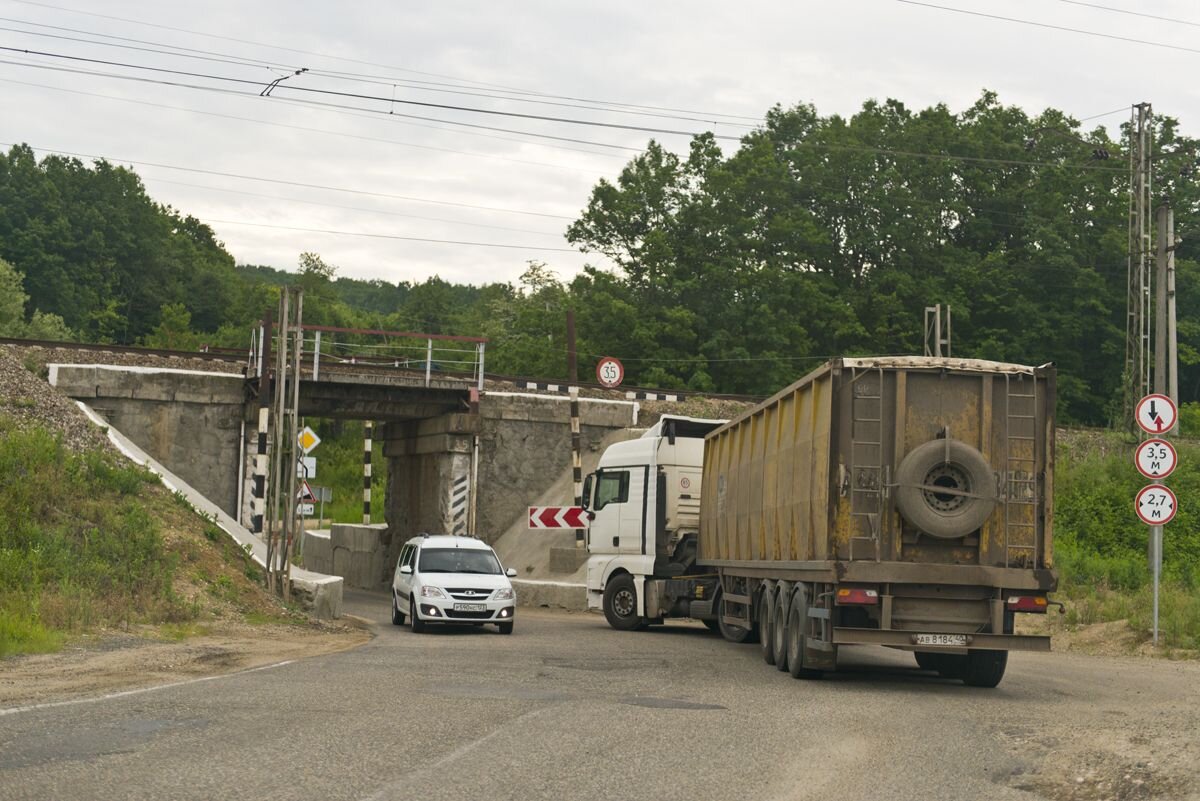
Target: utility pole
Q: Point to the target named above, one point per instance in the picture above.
(284, 452)
(1166, 357)
(572, 362)
(1137, 325)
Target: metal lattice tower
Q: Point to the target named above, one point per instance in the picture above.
(1140, 265)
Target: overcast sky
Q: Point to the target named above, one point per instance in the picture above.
(436, 180)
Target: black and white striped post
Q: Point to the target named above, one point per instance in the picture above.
(576, 458)
(258, 503)
(368, 430)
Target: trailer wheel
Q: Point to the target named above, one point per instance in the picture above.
(729, 631)
(984, 668)
(956, 466)
(764, 627)
(620, 603)
(797, 630)
(779, 631)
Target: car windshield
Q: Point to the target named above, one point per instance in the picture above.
(458, 560)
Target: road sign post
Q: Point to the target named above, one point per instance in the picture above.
(1156, 458)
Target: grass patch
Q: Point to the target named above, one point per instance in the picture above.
(182, 631)
(80, 548)
(1101, 547)
(22, 634)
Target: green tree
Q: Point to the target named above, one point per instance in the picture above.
(12, 301)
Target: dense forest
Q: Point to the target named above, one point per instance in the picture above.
(737, 269)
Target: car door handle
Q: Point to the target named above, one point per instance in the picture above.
(616, 542)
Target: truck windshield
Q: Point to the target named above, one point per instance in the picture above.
(458, 560)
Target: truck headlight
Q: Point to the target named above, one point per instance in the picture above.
(431, 592)
(503, 594)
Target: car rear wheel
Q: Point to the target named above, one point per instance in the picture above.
(397, 615)
(418, 625)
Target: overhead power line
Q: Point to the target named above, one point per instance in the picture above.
(159, 48)
(1131, 13)
(1051, 27)
(300, 184)
(461, 81)
(317, 104)
(387, 236)
(300, 127)
(812, 145)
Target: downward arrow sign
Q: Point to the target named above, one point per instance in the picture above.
(1153, 412)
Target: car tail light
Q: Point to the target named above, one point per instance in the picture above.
(1027, 603)
(857, 595)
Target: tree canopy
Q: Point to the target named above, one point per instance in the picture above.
(738, 271)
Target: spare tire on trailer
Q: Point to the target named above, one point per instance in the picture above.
(958, 467)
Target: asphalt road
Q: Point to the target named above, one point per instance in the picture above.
(567, 708)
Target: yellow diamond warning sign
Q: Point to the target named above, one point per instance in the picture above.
(307, 439)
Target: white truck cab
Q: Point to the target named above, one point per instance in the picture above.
(644, 505)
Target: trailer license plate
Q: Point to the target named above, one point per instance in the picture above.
(942, 639)
(470, 607)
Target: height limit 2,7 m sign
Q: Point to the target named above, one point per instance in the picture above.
(1156, 505)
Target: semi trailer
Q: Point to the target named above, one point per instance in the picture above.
(896, 501)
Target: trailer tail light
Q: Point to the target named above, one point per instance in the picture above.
(857, 595)
(1027, 603)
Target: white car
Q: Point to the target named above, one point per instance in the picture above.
(457, 580)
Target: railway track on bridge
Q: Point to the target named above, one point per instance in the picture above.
(372, 366)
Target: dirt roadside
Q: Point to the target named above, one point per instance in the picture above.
(111, 662)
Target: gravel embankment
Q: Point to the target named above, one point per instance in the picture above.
(30, 401)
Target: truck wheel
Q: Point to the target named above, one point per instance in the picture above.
(712, 626)
(620, 604)
(797, 618)
(984, 668)
(954, 465)
(728, 630)
(764, 627)
(779, 632)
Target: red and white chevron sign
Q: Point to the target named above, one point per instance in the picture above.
(557, 517)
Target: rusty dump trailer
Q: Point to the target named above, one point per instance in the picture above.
(898, 501)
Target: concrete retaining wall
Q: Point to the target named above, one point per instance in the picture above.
(356, 552)
(189, 420)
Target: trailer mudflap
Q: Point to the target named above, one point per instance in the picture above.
(908, 639)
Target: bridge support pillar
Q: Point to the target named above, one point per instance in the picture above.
(429, 485)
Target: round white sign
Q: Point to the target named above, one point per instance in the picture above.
(610, 372)
(1156, 505)
(1156, 414)
(1156, 458)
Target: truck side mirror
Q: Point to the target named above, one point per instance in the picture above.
(586, 500)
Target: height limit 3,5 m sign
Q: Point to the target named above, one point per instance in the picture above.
(1156, 505)
(1156, 458)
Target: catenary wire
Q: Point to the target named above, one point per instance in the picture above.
(301, 127)
(820, 146)
(461, 81)
(385, 236)
(1131, 13)
(1050, 26)
(230, 59)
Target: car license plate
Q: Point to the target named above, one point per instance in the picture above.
(470, 607)
(942, 639)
